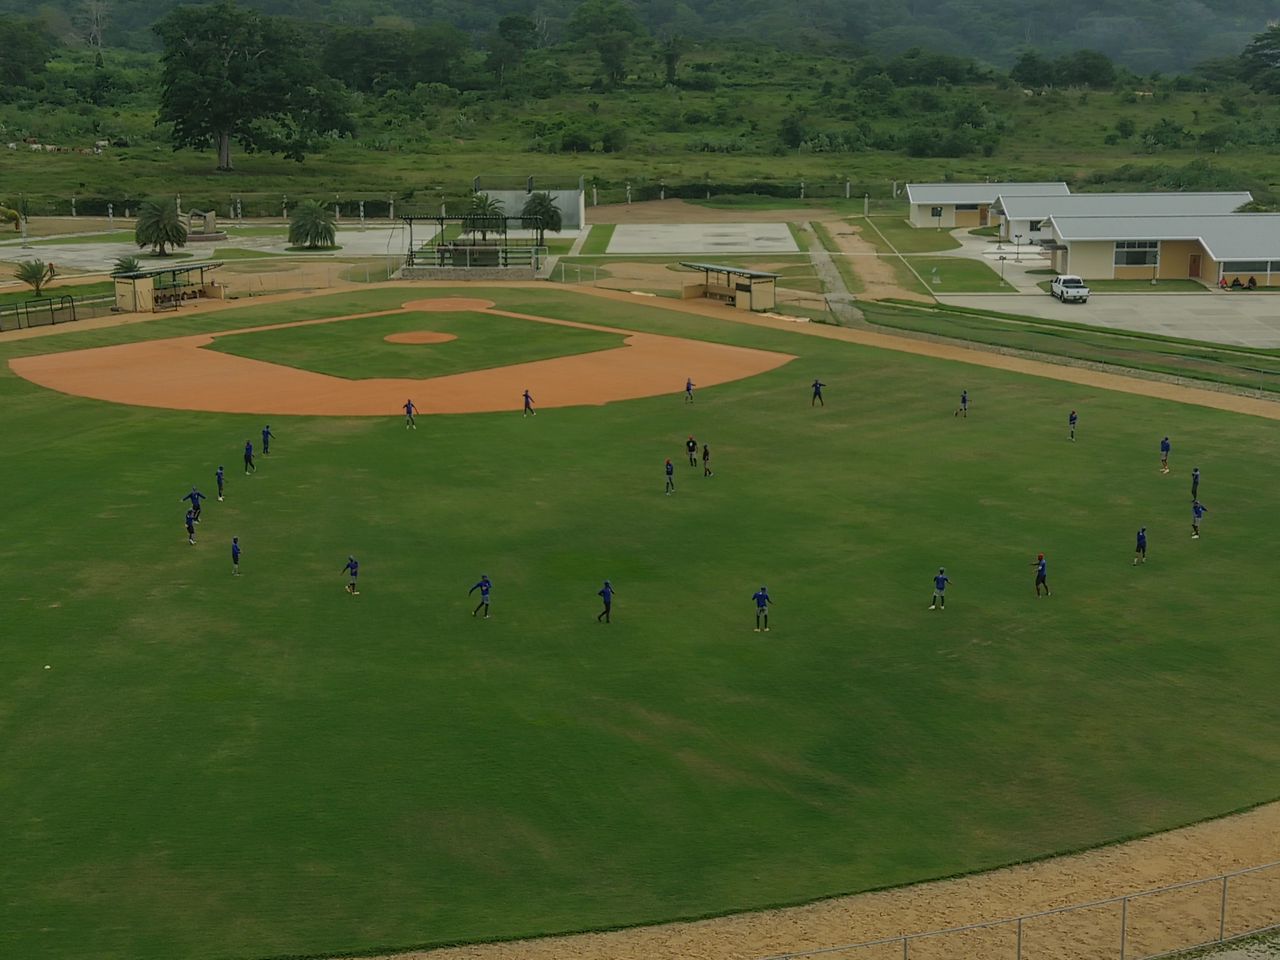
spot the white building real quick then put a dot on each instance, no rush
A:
(1027, 216)
(967, 204)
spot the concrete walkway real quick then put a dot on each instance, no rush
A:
(839, 298)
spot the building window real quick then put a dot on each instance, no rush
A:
(935, 212)
(966, 206)
(1245, 266)
(1035, 225)
(1137, 253)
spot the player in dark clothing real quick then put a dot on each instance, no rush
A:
(691, 448)
(248, 458)
(706, 461)
(817, 393)
(605, 593)
(483, 585)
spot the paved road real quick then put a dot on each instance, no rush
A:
(838, 296)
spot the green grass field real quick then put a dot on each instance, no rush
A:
(959, 275)
(896, 235)
(264, 766)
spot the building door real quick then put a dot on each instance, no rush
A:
(984, 215)
(1193, 266)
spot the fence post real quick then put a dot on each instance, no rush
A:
(1222, 912)
(905, 948)
(1124, 923)
(1019, 956)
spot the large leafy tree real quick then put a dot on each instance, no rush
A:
(159, 225)
(541, 207)
(1260, 61)
(312, 225)
(231, 74)
(24, 50)
(610, 28)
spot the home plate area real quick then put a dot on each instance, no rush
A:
(702, 238)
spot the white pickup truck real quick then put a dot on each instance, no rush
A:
(1067, 287)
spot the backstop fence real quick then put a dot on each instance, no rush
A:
(1141, 926)
(47, 311)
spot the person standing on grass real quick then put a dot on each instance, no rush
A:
(1140, 551)
(483, 585)
(605, 593)
(671, 477)
(1165, 446)
(248, 458)
(761, 597)
(1195, 482)
(191, 527)
(220, 476)
(1041, 575)
(691, 448)
(235, 556)
(706, 461)
(267, 437)
(352, 567)
(688, 389)
(1071, 424)
(817, 393)
(528, 404)
(409, 411)
(195, 496)
(939, 589)
(1198, 510)
(963, 409)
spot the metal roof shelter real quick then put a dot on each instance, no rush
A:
(1161, 204)
(166, 287)
(173, 271)
(745, 289)
(1236, 236)
(475, 240)
(979, 192)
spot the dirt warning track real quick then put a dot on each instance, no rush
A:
(178, 374)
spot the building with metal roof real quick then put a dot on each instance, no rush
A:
(946, 205)
(1027, 216)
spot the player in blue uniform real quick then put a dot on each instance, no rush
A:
(1195, 482)
(691, 448)
(353, 566)
(963, 409)
(1140, 551)
(528, 404)
(235, 556)
(221, 478)
(483, 586)
(191, 527)
(267, 437)
(248, 458)
(939, 589)
(409, 411)
(1164, 455)
(195, 496)
(688, 390)
(1071, 423)
(671, 477)
(706, 461)
(1198, 510)
(763, 602)
(605, 593)
(1041, 574)
(817, 393)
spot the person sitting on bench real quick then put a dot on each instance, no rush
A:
(1253, 283)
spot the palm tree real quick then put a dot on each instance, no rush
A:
(11, 216)
(312, 225)
(35, 273)
(541, 207)
(125, 265)
(159, 225)
(479, 213)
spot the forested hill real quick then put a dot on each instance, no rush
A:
(1144, 35)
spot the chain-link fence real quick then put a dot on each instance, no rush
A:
(46, 311)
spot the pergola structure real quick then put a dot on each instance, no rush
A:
(744, 289)
(474, 240)
(165, 288)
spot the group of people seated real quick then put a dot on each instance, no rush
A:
(1235, 284)
(174, 295)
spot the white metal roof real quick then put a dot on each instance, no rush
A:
(979, 192)
(1234, 236)
(1166, 204)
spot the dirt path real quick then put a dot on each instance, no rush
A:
(876, 272)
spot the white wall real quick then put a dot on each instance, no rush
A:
(571, 203)
(920, 215)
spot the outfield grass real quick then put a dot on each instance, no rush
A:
(959, 275)
(355, 349)
(264, 766)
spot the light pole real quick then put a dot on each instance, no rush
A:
(1003, 258)
(1017, 248)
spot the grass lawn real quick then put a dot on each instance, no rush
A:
(114, 236)
(896, 235)
(265, 766)
(598, 239)
(243, 253)
(1137, 286)
(78, 290)
(959, 275)
(355, 349)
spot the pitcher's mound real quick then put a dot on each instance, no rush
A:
(419, 336)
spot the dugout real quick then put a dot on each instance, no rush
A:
(166, 288)
(744, 289)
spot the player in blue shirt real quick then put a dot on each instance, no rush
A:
(195, 496)
(1071, 423)
(706, 461)
(1164, 455)
(817, 393)
(248, 458)
(528, 404)
(353, 565)
(939, 589)
(963, 409)
(409, 411)
(219, 476)
(267, 437)
(483, 586)
(235, 556)
(1198, 510)
(605, 593)
(1041, 574)
(688, 390)
(761, 597)
(671, 477)
(191, 527)
(1140, 551)
(1195, 482)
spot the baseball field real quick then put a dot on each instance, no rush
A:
(195, 764)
